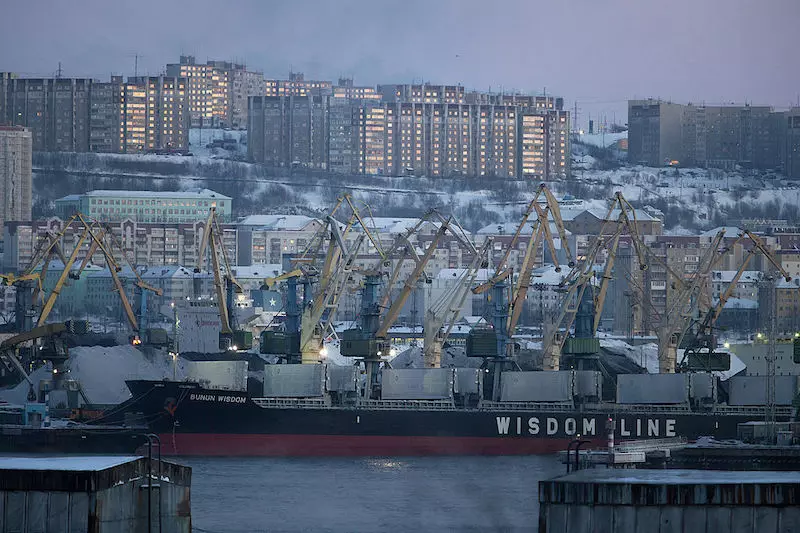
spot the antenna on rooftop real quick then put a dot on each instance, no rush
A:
(59, 72)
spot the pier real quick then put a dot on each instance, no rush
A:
(93, 494)
(670, 501)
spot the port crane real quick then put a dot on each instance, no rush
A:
(369, 341)
(442, 315)
(225, 284)
(698, 339)
(578, 298)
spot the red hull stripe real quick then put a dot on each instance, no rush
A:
(207, 444)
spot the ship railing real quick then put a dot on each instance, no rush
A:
(755, 410)
(527, 406)
(292, 403)
(438, 405)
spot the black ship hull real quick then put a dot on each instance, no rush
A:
(191, 420)
(83, 440)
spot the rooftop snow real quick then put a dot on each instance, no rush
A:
(730, 231)
(726, 276)
(257, 271)
(278, 222)
(75, 464)
(192, 193)
(510, 228)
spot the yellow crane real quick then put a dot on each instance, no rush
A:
(579, 279)
(225, 283)
(442, 315)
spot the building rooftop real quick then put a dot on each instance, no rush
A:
(740, 303)
(257, 271)
(76, 463)
(278, 222)
(726, 276)
(192, 193)
(510, 228)
(730, 231)
(678, 477)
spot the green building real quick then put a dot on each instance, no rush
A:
(146, 206)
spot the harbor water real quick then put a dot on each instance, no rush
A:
(238, 495)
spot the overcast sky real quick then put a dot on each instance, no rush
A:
(598, 52)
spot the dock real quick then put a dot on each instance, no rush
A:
(93, 494)
(670, 501)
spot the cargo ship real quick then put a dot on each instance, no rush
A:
(319, 410)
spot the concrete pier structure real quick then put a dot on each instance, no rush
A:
(93, 494)
(670, 501)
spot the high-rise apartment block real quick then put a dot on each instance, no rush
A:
(297, 85)
(345, 89)
(145, 114)
(289, 131)
(662, 133)
(154, 114)
(217, 91)
(56, 110)
(425, 130)
(15, 173)
(792, 150)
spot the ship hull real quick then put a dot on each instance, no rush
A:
(194, 421)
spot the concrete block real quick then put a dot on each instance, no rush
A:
(789, 518)
(694, 519)
(580, 518)
(646, 518)
(624, 518)
(57, 518)
(556, 516)
(718, 518)
(766, 519)
(742, 520)
(671, 520)
(37, 512)
(603, 519)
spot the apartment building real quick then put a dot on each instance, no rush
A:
(792, 146)
(146, 206)
(56, 110)
(345, 89)
(144, 243)
(289, 131)
(217, 91)
(779, 300)
(654, 132)
(154, 114)
(297, 85)
(716, 136)
(424, 93)
(266, 239)
(106, 127)
(15, 173)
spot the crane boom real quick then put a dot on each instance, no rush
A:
(444, 312)
(394, 311)
(51, 300)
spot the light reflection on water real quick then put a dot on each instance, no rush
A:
(237, 495)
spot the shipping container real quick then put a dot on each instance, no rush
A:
(588, 384)
(225, 375)
(652, 388)
(417, 384)
(293, 381)
(468, 380)
(341, 378)
(536, 387)
(752, 390)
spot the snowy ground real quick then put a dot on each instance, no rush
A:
(199, 139)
